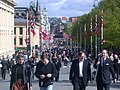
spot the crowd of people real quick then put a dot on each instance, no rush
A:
(22, 69)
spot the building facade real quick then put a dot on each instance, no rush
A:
(20, 35)
(45, 28)
(6, 27)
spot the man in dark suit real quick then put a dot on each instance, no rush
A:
(104, 67)
(80, 72)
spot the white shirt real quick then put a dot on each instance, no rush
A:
(80, 69)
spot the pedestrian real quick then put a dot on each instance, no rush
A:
(32, 62)
(118, 70)
(12, 62)
(116, 65)
(57, 61)
(45, 72)
(104, 67)
(80, 72)
(21, 76)
(4, 67)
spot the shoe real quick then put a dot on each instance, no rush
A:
(56, 80)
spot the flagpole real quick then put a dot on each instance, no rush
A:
(91, 34)
(77, 39)
(30, 40)
(96, 33)
(27, 39)
(80, 39)
(85, 37)
(40, 33)
(101, 27)
(40, 36)
(91, 45)
(32, 25)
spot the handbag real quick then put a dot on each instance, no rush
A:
(19, 85)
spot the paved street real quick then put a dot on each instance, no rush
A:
(63, 84)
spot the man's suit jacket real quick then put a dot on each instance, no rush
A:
(74, 71)
(103, 70)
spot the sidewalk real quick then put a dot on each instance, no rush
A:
(62, 84)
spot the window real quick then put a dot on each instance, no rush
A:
(21, 41)
(14, 41)
(14, 30)
(21, 30)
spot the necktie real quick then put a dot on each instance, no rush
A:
(102, 62)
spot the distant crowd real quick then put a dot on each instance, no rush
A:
(46, 67)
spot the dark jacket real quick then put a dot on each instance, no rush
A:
(45, 69)
(74, 71)
(26, 74)
(4, 64)
(57, 64)
(104, 70)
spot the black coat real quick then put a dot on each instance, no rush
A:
(57, 64)
(45, 69)
(26, 74)
(4, 64)
(74, 71)
(104, 70)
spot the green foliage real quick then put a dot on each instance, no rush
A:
(111, 17)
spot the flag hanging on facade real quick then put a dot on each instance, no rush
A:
(32, 19)
(33, 27)
(44, 35)
(91, 27)
(96, 27)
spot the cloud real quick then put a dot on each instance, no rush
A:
(62, 7)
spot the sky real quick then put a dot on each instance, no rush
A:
(56, 8)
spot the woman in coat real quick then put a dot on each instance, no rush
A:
(21, 76)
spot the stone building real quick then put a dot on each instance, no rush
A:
(6, 27)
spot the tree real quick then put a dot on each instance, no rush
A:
(111, 16)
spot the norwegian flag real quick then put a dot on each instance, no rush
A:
(66, 36)
(85, 32)
(101, 23)
(32, 20)
(91, 27)
(44, 35)
(33, 27)
(45, 39)
(48, 37)
(96, 27)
